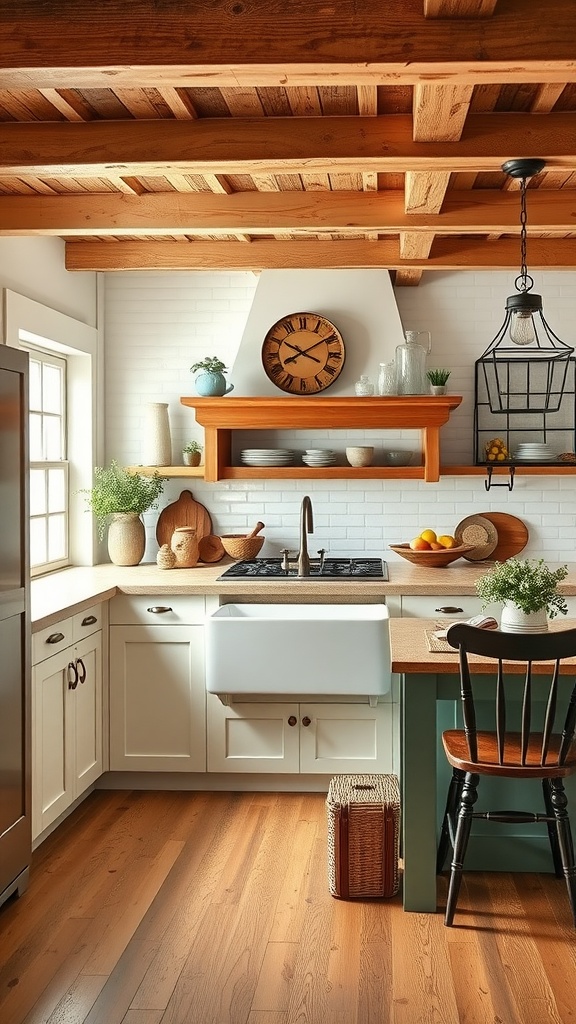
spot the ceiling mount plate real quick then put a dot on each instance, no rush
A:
(523, 168)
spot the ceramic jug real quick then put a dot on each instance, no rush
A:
(212, 384)
(184, 544)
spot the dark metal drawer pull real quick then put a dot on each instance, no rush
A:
(54, 638)
(157, 609)
(449, 610)
(72, 676)
(89, 620)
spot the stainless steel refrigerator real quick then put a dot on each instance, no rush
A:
(15, 755)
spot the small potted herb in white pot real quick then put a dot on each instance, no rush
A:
(438, 380)
(191, 453)
(529, 591)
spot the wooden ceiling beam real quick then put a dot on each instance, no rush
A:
(280, 145)
(482, 211)
(446, 254)
(90, 44)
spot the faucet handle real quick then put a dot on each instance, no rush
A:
(285, 559)
(321, 552)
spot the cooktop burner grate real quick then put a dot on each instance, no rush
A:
(330, 569)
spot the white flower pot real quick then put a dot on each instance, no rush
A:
(514, 620)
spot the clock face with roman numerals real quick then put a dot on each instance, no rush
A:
(303, 353)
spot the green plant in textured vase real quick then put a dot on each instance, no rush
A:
(192, 446)
(438, 377)
(211, 364)
(119, 490)
(528, 583)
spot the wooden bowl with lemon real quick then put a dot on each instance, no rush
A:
(431, 550)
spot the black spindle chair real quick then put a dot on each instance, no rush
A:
(548, 754)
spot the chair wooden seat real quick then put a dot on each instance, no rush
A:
(532, 749)
(456, 750)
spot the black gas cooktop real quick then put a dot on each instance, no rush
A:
(328, 569)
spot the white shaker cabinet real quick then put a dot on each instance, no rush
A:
(305, 738)
(157, 690)
(67, 746)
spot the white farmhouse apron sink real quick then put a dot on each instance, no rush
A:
(298, 649)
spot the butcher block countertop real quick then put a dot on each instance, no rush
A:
(410, 654)
(72, 590)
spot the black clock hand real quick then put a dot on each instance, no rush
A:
(299, 352)
(305, 351)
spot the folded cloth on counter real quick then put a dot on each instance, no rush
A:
(480, 621)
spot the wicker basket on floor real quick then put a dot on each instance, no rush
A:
(363, 835)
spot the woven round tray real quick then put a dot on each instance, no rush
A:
(480, 533)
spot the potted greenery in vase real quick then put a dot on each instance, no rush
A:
(192, 453)
(211, 383)
(119, 498)
(529, 590)
(438, 379)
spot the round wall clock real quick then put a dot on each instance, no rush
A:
(303, 353)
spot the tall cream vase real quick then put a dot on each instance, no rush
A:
(126, 538)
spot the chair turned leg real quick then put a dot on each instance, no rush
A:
(467, 801)
(452, 801)
(552, 829)
(559, 803)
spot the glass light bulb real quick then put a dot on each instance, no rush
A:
(522, 328)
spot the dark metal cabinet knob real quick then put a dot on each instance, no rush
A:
(292, 720)
(306, 721)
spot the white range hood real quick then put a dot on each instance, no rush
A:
(360, 303)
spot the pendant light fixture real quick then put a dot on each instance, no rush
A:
(525, 379)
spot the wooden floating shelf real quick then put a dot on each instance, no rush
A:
(186, 471)
(220, 416)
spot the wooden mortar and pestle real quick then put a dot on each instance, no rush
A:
(240, 546)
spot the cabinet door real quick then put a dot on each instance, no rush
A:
(258, 737)
(351, 738)
(86, 711)
(52, 768)
(157, 699)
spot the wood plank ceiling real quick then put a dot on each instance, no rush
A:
(259, 133)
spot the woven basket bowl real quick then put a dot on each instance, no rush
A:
(237, 545)
(434, 559)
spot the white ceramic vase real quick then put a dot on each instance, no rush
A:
(157, 440)
(514, 620)
(126, 538)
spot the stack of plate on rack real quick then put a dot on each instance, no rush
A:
(534, 451)
(319, 457)
(267, 457)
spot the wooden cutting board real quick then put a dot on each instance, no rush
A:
(183, 512)
(512, 535)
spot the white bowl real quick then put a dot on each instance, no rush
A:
(360, 455)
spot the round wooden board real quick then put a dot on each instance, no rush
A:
(512, 535)
(210, 549)
(183, 512)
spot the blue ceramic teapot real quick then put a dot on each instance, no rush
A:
(212, 384)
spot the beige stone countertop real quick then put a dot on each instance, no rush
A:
(72, 590)
(409, 651)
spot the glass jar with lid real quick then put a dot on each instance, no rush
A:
(364, 387)
(411, 365)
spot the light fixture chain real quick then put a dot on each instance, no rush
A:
(523, 219)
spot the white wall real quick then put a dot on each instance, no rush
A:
(34, 267)
(158, 324)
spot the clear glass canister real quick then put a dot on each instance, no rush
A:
(387, 378)
(411, 366)
(364, 386)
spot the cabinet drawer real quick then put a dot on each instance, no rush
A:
(89, 621)
(52, 640)
(440, 607)
(151, 609)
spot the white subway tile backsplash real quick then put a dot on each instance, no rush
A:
(158, 324)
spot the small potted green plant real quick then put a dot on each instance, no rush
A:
(211, 382)
(528, 589)
(438, 379)
(118, 498)
(192, 453)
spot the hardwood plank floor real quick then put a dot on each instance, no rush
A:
(213, 908)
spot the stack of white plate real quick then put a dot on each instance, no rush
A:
(534, 451)
(319, 457)
(267, 457)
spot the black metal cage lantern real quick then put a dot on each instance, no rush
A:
(525, 380)
(525, 368)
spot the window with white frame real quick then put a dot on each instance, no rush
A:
(49, 502)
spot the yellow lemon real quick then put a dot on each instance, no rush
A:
(448, 542)
(428, 535)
